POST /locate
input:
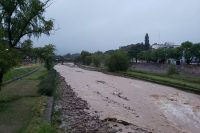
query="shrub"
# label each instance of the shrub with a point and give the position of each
(118, 61)
(172, 70)
(96, 60)
(88, 60)
(48, 84)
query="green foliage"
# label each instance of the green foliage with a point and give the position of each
(8, 58)
(48, 84)
(175, 53)
(145, 55)
(46, 53)
(187, 49)
(88, 60)
(37, 124)
(23, 18)
(172, 70)
(85, 57)
(96, 59)
(196, 51)
(118, 61)
(134, 51)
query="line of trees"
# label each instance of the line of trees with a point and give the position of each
(187, 49)
(119, 60)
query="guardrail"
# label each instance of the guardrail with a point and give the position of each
(20, 77)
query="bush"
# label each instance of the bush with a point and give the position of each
(88, 60)
(48, 64)
(48, 84)
(118, 61)
(96, 60)
(172, 70)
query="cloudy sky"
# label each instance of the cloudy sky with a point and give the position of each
(107, 24)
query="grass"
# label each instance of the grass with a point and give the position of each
(15, 115)
(37, 124)
(21, 107)
(186, 78)
(48, 84)
(179, 81)
(19, 71)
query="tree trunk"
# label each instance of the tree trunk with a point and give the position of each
(1, 79)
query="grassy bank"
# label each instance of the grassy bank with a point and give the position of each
(18, 71)
(178, 81)
(22, 107)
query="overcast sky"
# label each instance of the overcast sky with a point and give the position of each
(107, 24)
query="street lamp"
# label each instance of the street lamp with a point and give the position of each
(4, 51)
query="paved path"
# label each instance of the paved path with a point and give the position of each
(124, 101)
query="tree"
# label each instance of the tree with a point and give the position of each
(83, 56)
(160, 55)
(47, 55)
(147, 45)
(187, 50)
(23, 18)
(96, 60)
(118, 61)
(134, 51)
(20, 19)
(8, 59)
(88, 60)
(196, 51)
(175, 53)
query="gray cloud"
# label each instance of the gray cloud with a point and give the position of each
(107, 24)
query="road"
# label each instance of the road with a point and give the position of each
(121, 100)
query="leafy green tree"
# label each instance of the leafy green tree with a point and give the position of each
(174, 53)
(83, 56)
(160, 55)
(118, 61)
(47, 55)
(23, 18)
(88, 60)
(96, 60)
(145, 55)
(196, 51)
(188, 52)
(20, 19)
(134, 51)
(8, 58)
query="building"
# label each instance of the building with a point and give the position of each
(165, 45)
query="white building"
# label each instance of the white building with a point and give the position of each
(165, 45)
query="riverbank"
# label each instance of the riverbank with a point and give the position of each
(126, 102)
(71, 114)
(21, 107)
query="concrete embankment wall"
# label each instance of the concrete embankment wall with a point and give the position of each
(162, 68)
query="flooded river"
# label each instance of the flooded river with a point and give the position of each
(121, 100)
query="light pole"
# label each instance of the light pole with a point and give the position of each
(4, 51)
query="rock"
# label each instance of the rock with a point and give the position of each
(74, 117)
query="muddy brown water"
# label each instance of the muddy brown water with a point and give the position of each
(151, 106)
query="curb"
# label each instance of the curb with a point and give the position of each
(48, 110)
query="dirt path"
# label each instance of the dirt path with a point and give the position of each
(127, 102)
